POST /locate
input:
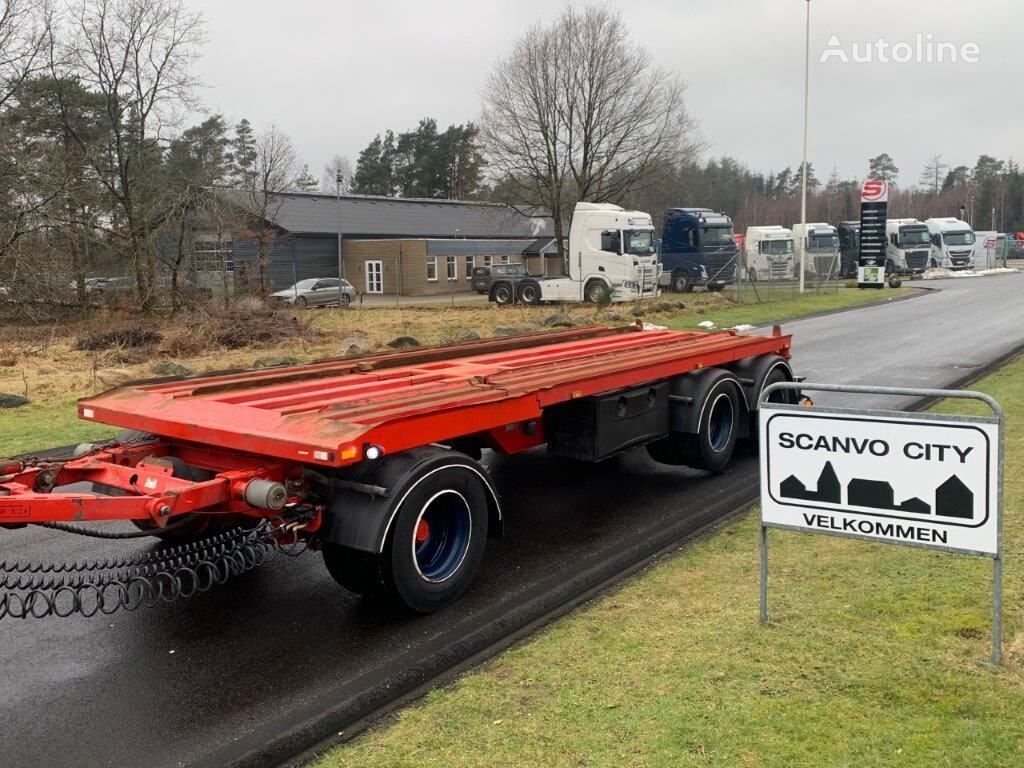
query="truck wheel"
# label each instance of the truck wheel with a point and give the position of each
(594, 291)
(751, 274)
(529, 293)
(717, 430)
(681, 283)
(433, 548)
(501, 294)
(716, 288)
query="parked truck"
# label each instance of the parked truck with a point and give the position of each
(374, 461)
(952, 243)
(611, 252)
(769, 253)
(907, 247)
(821, 244)
(698, 248)
(849, 248)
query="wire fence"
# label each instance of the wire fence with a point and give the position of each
(765, 277)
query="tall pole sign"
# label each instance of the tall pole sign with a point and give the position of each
(874, 207)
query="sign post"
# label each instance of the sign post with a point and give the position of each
(874, 208)
(933, 481)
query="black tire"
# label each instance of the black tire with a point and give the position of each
(433, 548)
(775, 376)
(681, 283)
(751, 274)
(712, 446)
(716, 288)
(344, 300)
(933, 264)
(593, 291)
(501, 294)
(529, 293)
(301, 302)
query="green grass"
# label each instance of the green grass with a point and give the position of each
(875, 656)
(44, 424)
(729, 315)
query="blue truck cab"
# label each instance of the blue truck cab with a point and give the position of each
(698, 248)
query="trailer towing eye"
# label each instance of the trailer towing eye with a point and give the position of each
(88, 587)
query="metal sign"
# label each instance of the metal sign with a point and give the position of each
(874, 208)
(913, 479)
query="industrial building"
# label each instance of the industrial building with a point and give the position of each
(409, 247)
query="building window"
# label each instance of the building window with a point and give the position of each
(488, 261)
(432, 268)
(213, 256)
(505, 259)
(470, 261)
(453, 269)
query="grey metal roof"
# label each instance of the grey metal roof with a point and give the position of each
(370, 216)
(541, 246)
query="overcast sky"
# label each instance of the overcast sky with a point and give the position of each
(332, 73)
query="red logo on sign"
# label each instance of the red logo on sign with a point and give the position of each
(874, 191)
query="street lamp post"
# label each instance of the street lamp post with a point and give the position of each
(451, 282)
(803, 192)
(338, 179)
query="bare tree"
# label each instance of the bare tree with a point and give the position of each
(934, 174)
(25, 33)
(338, 163)
(26, 28)
(138, 56)
(275, 170)
(579, 111)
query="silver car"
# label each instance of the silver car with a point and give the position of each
(317, 292)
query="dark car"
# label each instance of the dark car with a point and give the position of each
(483, 277)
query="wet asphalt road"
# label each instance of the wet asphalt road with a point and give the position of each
(281, 658)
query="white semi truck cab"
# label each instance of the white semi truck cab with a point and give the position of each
(821, 244)
(907, 246)
(769, 253)
(952, 243)
(611, 250)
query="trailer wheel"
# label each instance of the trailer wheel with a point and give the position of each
(712, 446)
(775, 376)
(433, 548)
(501, 294)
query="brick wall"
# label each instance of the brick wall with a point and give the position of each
(412, 255)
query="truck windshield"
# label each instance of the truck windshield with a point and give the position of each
(824, 242)
(913, 236)
(639, 241)
(958, 238)
(777, 247)
(716, 236)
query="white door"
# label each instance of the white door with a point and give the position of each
(374, 277)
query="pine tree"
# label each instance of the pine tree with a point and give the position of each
(306, 181)
(243, 155)
(882, 167)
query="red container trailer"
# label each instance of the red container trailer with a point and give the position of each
(375, 460)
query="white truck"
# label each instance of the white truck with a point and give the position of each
(952, 243)
(907, 246)
(769, 254)
(611, 251)
(821, 243)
